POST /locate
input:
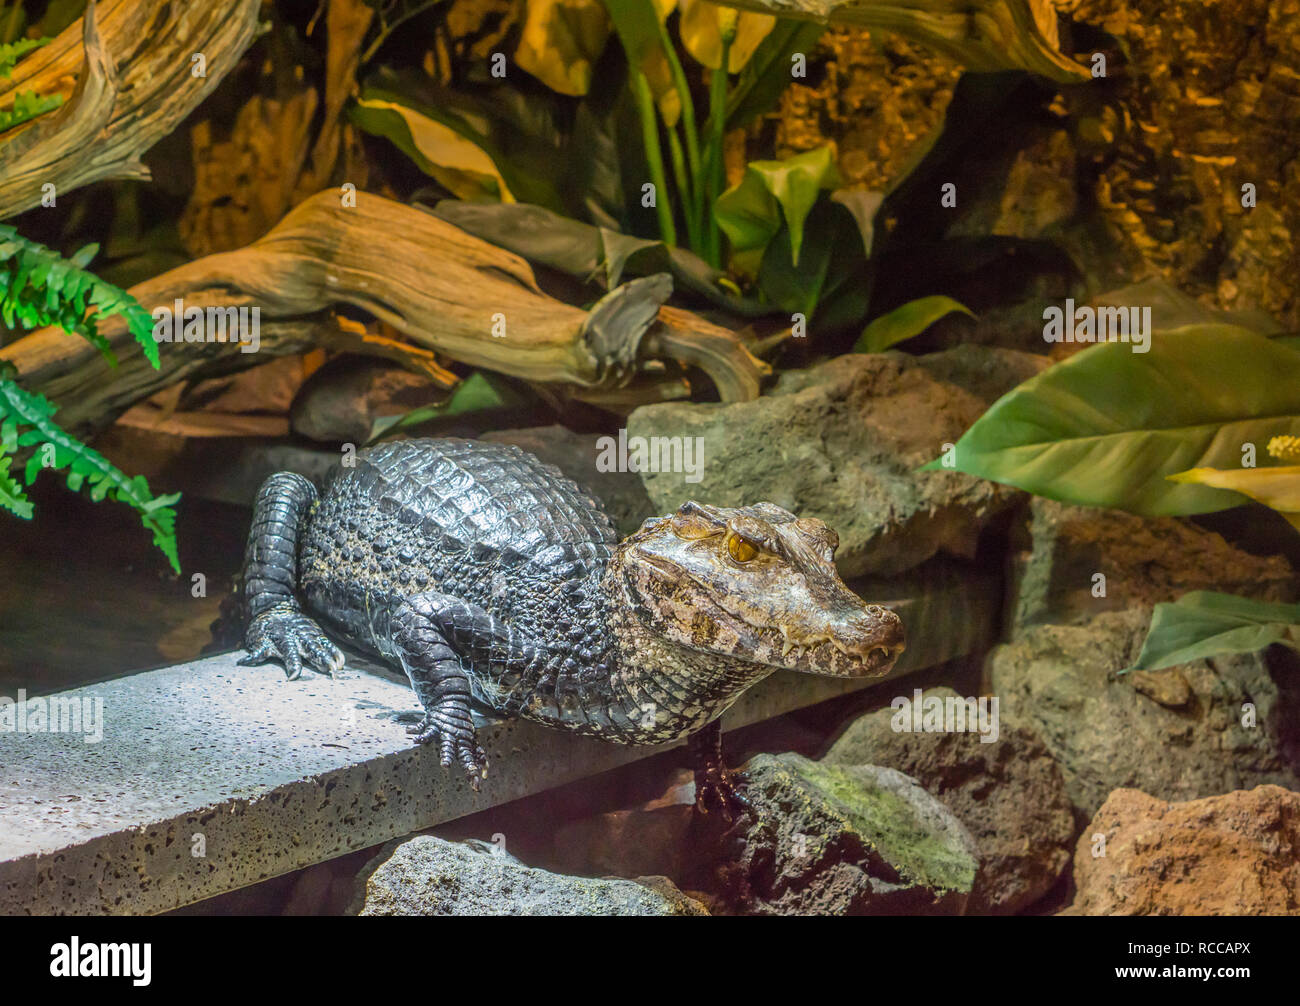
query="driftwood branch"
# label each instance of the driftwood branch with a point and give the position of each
(442, 288)
(983, 35)
(127, 72)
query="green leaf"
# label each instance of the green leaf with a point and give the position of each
(443, 146)
(1107, 426)
(39, 287)
(22, 409)
(476, 393)
(523, 135)
(12, 52)
(750, 213)
(27, 106)
(827, 285)
(1205, 623)
(12, 497)
(765, 77)
(903, 322)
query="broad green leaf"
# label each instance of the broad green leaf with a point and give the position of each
(1107, 426)
(701, 28)
(1206, 623)
(522, 131)
(441, 150)
(766, 75)
(561, 42)
(637, 23)
(1278, 487)
(903, 322)
(827, 285)
(1171, 308)
(474, 394)
(751, 211)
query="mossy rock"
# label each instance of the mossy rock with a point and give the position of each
(846, 840)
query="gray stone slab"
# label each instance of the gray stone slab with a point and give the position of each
(210, 776)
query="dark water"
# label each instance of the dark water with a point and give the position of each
(84, 595)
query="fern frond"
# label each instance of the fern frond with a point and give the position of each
(40, 287)
(12, 52)
(27, 420)
(27, 105)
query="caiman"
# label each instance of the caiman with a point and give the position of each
(492, 580)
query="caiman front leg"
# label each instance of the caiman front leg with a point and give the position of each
(716, 787)
(435, 637)
(277, 626)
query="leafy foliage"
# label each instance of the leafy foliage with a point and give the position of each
(12, 52)
(478, 392)
(27, 104)
(1107, 426)
(903, 322)
(26, 421)
(1205, 623)
(39, 287)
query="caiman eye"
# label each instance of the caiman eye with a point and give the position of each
(739, 549)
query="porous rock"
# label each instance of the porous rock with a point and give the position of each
(1234, 854)
(430, 876)
(842, 441)
(1008, 791)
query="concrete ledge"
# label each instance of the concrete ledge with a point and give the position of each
(210, 776)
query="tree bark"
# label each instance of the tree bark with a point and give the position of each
(127, 71)
(442, 288)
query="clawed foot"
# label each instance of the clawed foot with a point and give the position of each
(285, 633)
(451, 730)
(717, 789)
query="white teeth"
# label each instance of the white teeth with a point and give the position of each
(786, 647)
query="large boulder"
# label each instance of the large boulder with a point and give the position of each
(842, 441)
(821, 840)
(1194, 730)
(1006, 789)
(844, 840)
(429, 876)
(1060, 549)
(1235, 854)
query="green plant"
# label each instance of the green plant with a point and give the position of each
(26, 105)
(1173, 431)
(39, 287)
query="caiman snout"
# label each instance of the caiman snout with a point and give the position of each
(876, 638)
(863, 641)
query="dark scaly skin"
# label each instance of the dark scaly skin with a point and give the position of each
(489, 577)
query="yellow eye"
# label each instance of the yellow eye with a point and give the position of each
(739, 549)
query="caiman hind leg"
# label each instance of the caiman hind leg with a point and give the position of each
(277, 627)
(716, 787)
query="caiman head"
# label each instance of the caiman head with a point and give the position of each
(757, 584)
